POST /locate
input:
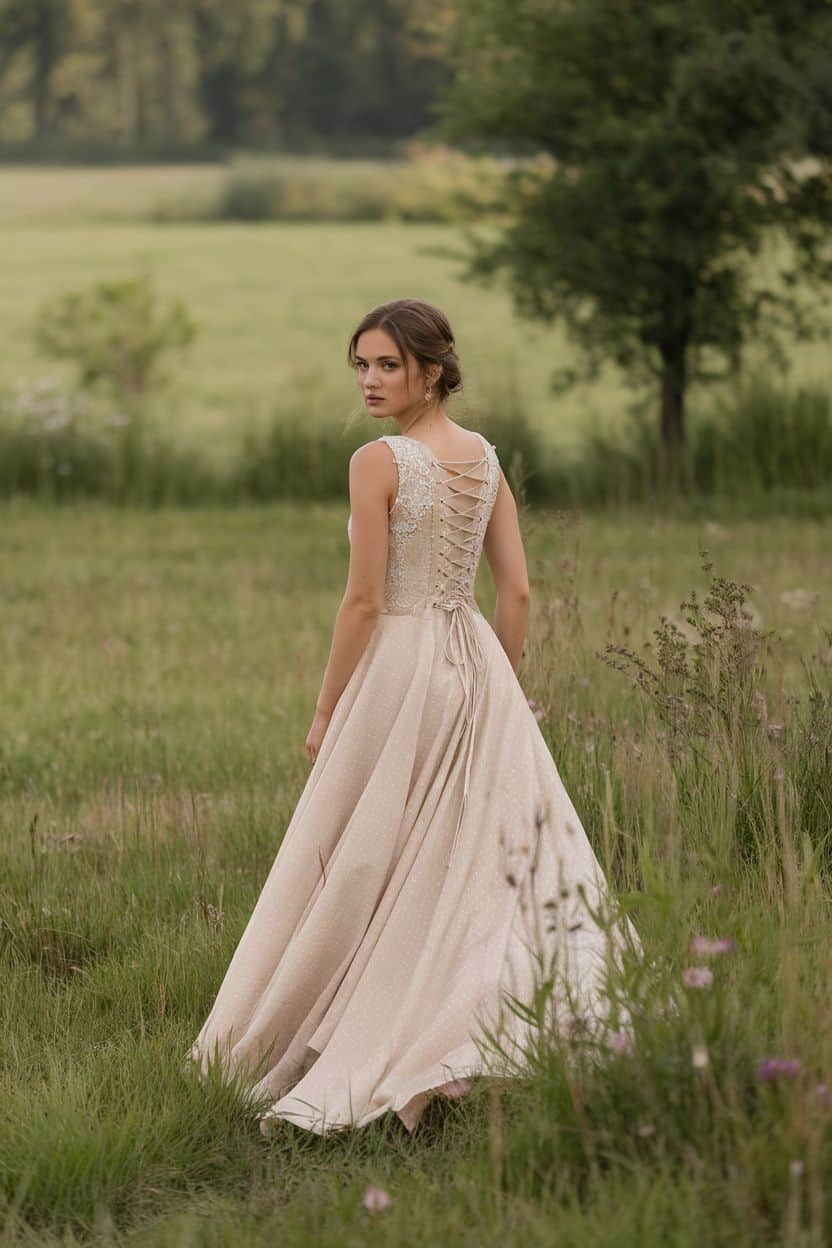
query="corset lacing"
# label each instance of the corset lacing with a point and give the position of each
(461, 516)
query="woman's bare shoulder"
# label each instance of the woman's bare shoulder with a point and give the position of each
(373, 469)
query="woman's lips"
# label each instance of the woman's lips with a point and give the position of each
(375, 398)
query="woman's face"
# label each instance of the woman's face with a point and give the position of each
(383, 375)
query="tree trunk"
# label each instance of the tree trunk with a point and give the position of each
(45, 55)
(674, 382)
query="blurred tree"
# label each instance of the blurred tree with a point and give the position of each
(117, 332)
(41, 30)
(674, 138)
(146, 63)
(235, 46)
(262, 73)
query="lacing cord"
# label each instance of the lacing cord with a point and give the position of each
(462, 645)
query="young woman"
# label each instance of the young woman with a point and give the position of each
(434, 864)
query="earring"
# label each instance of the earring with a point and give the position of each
(427, 395)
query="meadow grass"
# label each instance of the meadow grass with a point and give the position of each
(276, 303)
(158, 677)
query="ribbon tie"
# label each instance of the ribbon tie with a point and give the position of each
(463, 649)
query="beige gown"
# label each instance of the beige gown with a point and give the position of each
(432, 865)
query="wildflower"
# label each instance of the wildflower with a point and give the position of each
(796, 1168)
(707, 946)
(375, 1199)
(697, 977)
(823, 1094)
(620, 1042)
(700, 1056)
(538, 711)
(772, 1068)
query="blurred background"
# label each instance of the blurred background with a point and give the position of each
(626, 217)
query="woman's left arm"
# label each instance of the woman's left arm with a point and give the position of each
(372, 483)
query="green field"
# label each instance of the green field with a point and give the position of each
(277, 302)
(158, 678)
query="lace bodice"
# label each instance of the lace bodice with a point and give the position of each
(436, 529)
(437, 525)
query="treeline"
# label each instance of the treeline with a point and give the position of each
(179, 75)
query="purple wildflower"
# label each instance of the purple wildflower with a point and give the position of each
(375, 1199)
(697, 977)
(771, 1068)
(620, 1042)
(708, 946)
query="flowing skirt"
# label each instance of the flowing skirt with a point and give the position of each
(433, 865)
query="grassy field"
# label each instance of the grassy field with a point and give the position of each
(277, 302)
(157, 681)
(158, 676)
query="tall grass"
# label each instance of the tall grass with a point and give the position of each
(158, 670)
(768, 448)
(762, 439)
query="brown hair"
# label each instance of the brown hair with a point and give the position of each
(418, 329)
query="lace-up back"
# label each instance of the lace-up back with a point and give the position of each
(437, 525)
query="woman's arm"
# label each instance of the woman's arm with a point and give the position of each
(503, 546)
(372, 483)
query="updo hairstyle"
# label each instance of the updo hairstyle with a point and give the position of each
(418, 329)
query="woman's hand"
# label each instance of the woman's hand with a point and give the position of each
(316, 734)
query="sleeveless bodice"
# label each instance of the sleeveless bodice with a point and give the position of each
(436, 526)
(436, 529)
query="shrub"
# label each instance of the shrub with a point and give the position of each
(434, 184)
(117, 332)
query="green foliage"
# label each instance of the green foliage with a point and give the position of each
(762, 441)
(117, 332)
(61, 447)
(292, 460)
(269, 195)
(767, 449)
(432, 184)
(87, 75)
(766, 435)
(673, 138)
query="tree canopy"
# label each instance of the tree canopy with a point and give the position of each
(178, 73)
(677, 137)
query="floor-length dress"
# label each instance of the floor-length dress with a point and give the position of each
(432, 858)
